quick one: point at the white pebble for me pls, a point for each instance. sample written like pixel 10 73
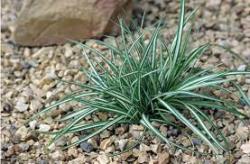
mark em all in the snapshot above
pixel 35 105
pixel 242 67
pixel 21 106
pixel 247 81
pixel 44 128
pixel 32 124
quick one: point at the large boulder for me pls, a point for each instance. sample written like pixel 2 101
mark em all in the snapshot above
pixel 46 22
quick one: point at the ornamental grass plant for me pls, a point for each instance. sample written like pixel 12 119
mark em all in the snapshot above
pixel 148 81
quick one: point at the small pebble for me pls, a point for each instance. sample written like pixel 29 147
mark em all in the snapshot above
pixel 57 155
pixel 21 106
pixel 7 107
pixel 105 143
pixel 122 143
pixel 24 147
pixel 103 159
pixel 163 158
pixel 32 124
pixel 196 141
pixel 22 132
pixel 242 67
pixel 143 157
pixel 44 128
pixel 173 132
pixel 87 147
pixel 43 161
pixel 61 141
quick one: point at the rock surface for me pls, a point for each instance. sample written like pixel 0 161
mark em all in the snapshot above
pixel 47 22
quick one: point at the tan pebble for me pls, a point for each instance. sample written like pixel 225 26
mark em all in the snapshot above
pixel 102 116
pixel 235 97
pixel 163 158
pixel 68 51
pixel 103 159
pixel 155 148
pixel 243 132
pixel 110 149
pixel 124 156
pixel 105 133
pixel 42 51
pixel 74 139
pixel 136 130
pixel 72 152
pixel 22 132
pixel 26 52
pixel 57 155
pixel 30 142
pixel 189 159
pixel 79 160
pixel 52 147
pixel 163 130
pixel 244 160
pixel 136 152
pixel 143 157
pixel 144 147
pixel 105 143
pixel 35 105
pixel 37 91
pixel 122 143
pixel 247 80
pixel 10 151
pixel 121 130
pixel 246 147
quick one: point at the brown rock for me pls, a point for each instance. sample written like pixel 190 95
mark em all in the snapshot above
pixel 47 22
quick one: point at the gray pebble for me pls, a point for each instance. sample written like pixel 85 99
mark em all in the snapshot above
pixel 24 147
pixel 61 142
pixel 15 139
pixel 208 162
pixel 173 132
pixel 13 129
pixel 13 160
pixel 43 161
pixel 7 107
pixel 196 141
pixel 5 146
pixel 87 147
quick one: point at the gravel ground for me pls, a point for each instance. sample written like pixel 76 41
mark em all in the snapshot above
pixel 28 82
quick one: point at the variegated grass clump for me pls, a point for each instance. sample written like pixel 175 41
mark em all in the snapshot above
pixel 148 81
